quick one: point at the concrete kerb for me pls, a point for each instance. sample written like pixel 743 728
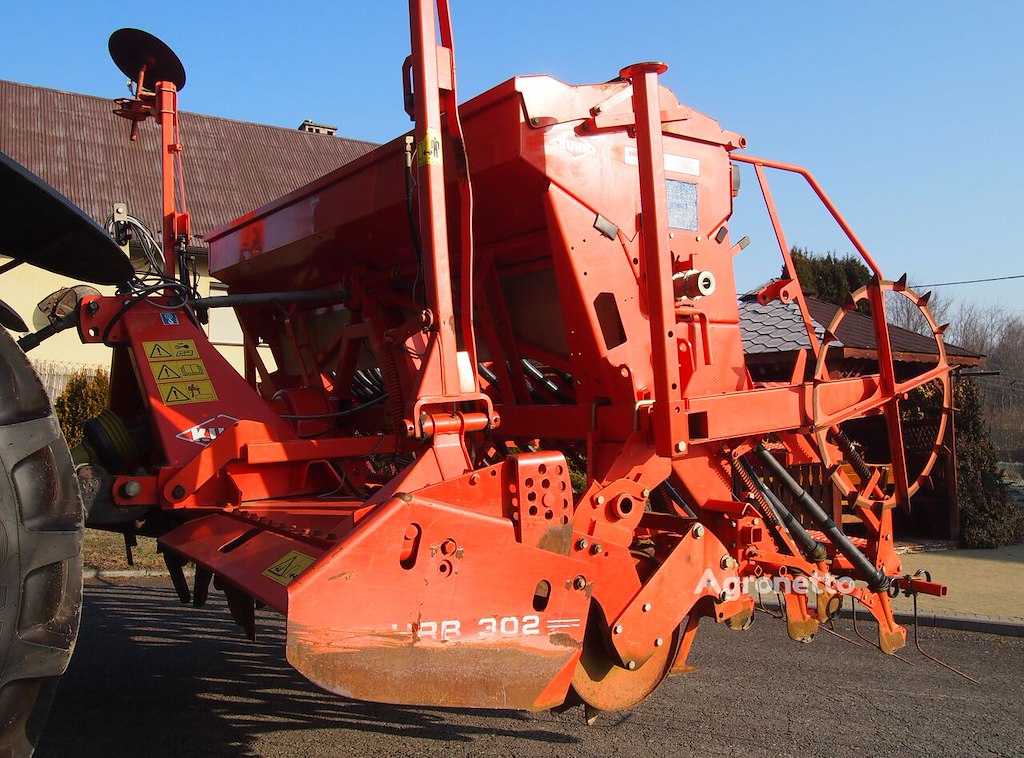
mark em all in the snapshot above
pixel 129 573
pixel 964 622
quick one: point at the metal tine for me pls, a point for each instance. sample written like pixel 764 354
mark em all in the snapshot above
pixel 929 656
pixel 764 609
pixel 831 629
pixel 830 623
pixel 853 608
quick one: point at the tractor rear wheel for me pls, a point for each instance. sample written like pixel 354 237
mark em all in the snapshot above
pixel 40 553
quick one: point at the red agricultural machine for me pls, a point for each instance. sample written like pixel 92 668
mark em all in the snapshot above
pixel 504 450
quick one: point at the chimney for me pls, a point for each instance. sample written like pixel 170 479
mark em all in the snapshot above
pixel 314 128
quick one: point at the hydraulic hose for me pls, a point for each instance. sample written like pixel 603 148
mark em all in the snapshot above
pixel 813 550
pixel 876 579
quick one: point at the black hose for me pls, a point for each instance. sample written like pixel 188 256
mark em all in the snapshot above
pixel 876 579
pixel 325 297
pixel 813 550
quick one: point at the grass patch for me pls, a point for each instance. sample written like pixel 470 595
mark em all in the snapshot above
pixel 105 550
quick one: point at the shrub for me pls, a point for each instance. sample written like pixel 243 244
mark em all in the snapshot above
pixel 83 397
pixel 988 515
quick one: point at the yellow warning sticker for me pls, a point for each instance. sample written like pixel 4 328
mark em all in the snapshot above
pixel 290 566
pixel 176 371
pixel 182 392
pixel 159 350
pixel 428 152
pixel 180 373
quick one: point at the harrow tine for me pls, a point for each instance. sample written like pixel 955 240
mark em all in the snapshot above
pixel 764 609
pixel 830 628
pixel 929 656
pixel 872 643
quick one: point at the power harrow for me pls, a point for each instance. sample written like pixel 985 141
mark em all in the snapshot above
pixel 496 444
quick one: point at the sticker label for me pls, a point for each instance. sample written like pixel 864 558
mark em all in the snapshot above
pixel 677 164
pixel 159 350
pixel 176 371
pixel 180 373
pixel 181 393
pixel 169 319
pixel 287 568
pixel 428 152
pixel 205 432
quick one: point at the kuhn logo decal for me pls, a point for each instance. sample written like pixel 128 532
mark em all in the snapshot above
pixel 207 431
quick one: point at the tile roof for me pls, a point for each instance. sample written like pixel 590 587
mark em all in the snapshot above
pixel 773 328
pixel 76 144
pixel 778 328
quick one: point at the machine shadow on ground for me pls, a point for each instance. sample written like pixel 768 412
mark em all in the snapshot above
pixel 149 671
pixel 153 677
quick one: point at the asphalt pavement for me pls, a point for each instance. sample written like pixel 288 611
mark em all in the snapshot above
pixel 152 677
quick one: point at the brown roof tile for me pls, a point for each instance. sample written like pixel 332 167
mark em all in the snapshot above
pixel 77 145
pixel 777 328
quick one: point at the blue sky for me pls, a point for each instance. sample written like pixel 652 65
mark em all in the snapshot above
pixel 910 114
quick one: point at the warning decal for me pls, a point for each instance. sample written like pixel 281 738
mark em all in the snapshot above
pixel 180 393
pixel 428 152
pixel 290 566
pixel 176 371
pixel 180 373
pixel 159 349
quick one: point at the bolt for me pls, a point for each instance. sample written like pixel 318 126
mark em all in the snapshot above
pixel 698 531
pixel 599 499
pixel 723 596
pixel 726 561
pixel 474 479
pixel 659 642
pixel 579 582
pixel 631 665
pixel 645 493
pixel 596 548
pixel 756 522
pixel 92 308
pixel 645 607
pixel 617 629
pixel 131 488
pixel 680 447
pixel 178 492
pixel 581 543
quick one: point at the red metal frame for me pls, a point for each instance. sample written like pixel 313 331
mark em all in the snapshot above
pixel 162 105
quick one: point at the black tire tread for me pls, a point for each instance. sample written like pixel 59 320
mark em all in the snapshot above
pixel 40 553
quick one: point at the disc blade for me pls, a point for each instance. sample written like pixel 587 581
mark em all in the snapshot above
pixel 134 50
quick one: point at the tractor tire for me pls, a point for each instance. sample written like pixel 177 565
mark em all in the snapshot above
pixel 40 553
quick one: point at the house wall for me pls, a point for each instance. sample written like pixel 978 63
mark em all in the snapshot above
pixel 56 358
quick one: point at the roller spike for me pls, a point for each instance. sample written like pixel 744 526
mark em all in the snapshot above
pixel 827 337
pixel 590 714
pixel 925 298
pixel 942 329
pixel 901 283
pixel 849 304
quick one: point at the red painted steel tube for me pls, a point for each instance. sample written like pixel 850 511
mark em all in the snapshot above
pixel 433 210
pixel 467 274
pixel 167 112
pixel 754 161
pixel 657 256
pixel 769 202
